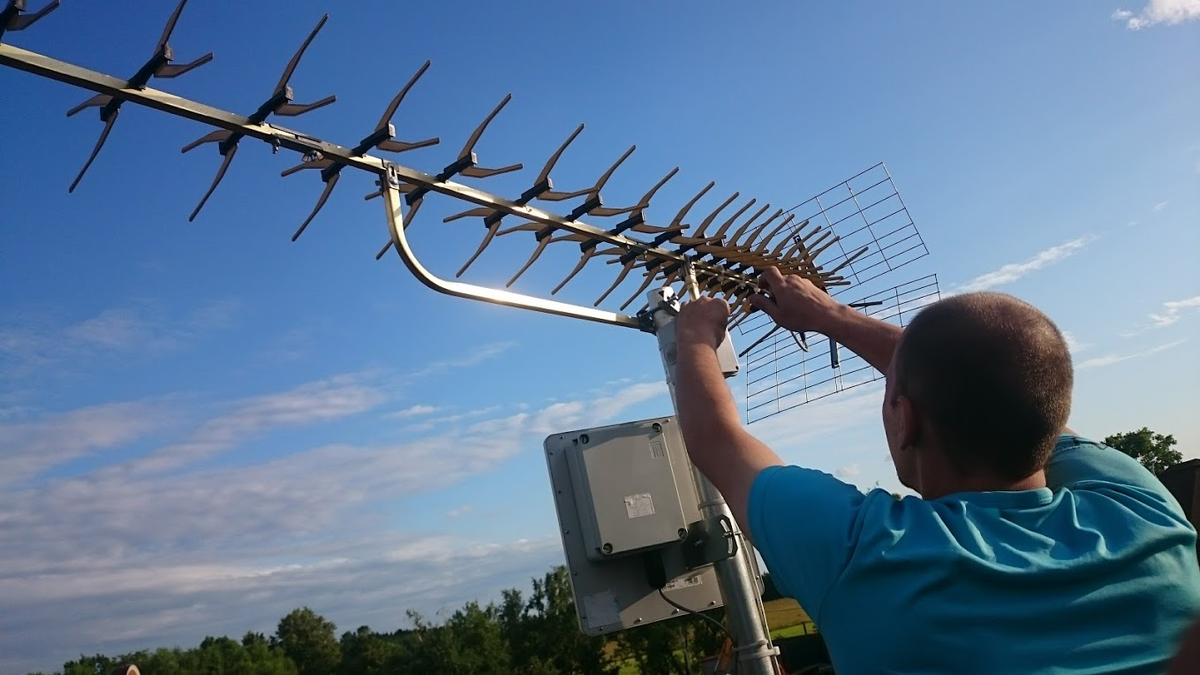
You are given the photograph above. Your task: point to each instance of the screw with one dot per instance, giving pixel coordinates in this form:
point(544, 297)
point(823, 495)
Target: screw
point(712, 603)
point(607, 548)
point(682, 533)
point(638, 620)
point(583, 438)
point(656, 427)
point(566, 532)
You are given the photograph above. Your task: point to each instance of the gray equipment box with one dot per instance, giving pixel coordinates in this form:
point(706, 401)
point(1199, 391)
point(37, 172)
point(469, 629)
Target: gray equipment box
point(599, 477)
point(627, 488)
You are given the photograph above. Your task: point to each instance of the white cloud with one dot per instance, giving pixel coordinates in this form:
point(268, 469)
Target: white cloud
point(1110, 359)
point(446, 420)
point(311, 403)
point(848, 471)
point(114, 559)
point(27, 449)
point(1014, 271)
point(1171, 312)
point(460, 511)
point(474, 357)
point(1170, 12)
point(1161, 205)
point(418, 410)
point(1073, 343)
point(31, 344)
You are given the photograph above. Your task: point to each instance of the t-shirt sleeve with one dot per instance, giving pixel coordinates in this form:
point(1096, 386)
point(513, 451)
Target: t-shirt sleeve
point(1081, 464)
point(1077, 460)
point(805, 523)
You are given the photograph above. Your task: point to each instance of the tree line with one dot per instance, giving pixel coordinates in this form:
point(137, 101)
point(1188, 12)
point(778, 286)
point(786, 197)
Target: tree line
point(536, 634)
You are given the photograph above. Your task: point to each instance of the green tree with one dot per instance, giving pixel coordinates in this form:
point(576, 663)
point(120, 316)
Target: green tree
point(309, 641)
point(1156, 452)
point(552, 631)
point(97, 664)
point(367, 653)
point(470, 642)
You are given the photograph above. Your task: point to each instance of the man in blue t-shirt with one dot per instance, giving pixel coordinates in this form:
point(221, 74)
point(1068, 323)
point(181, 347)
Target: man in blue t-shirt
point(1029, 550)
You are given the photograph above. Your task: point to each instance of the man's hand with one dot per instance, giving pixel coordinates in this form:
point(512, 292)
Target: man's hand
point(796, 303)
point(702, 321)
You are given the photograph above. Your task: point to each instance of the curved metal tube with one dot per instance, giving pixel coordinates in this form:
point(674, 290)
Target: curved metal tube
point(393, 206)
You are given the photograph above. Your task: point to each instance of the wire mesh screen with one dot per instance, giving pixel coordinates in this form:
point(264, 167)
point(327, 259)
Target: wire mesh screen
point(875, 239)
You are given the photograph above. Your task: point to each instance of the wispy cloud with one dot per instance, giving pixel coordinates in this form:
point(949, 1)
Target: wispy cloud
point(311, 403)
point(27, 449)
point(460, 511)
point(116, 559)
point(1014, 271)
point(1073, 343)
point(1169, 12)
point(848, 471)
point(1110, 359)
point(28, 345)
point(418, 410)
point(474, 357)
point(1172, 311)
point(441, 421)
point(1161, 205)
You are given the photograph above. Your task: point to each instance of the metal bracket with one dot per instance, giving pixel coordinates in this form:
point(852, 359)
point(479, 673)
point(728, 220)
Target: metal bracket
point(709, 541)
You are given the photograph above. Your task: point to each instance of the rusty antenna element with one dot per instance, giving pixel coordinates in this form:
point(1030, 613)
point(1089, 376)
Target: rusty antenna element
point(847, 239)
point(158, 65)
point(872, 238)
point(14, 18)
point(382, 138)
point(280, 103)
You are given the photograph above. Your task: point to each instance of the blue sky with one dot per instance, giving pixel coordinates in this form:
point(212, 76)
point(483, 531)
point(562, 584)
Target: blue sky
point(204, 425)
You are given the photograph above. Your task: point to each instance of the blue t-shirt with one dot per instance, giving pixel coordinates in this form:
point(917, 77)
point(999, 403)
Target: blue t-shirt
point(1095, 574)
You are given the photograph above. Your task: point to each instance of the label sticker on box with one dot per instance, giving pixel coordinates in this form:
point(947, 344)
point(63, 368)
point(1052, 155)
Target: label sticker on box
point(684, 582)
point(638, 506)
point(601, 609)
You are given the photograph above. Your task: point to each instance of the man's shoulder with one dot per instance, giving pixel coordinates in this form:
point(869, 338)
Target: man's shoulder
point(1087, 467)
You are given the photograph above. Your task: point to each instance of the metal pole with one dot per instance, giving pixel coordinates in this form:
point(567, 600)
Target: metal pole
point(735, 576)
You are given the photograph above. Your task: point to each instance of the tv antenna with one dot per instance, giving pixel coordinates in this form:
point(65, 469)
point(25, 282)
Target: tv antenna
point(722, 255)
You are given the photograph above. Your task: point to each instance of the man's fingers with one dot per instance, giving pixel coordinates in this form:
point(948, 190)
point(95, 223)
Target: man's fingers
point(764, 303)
point(770, 277)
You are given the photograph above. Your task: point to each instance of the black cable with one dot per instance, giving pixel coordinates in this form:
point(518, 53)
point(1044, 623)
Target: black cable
point(709, 619)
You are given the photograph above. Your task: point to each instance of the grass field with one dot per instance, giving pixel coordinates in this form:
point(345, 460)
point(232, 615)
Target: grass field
point(785, 618)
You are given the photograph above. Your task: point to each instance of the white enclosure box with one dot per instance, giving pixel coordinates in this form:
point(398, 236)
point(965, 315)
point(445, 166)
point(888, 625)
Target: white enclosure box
point(627, 488)
point(630, 486)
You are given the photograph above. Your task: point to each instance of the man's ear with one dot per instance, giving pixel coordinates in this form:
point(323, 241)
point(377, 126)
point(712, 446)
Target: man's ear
point(909, 432)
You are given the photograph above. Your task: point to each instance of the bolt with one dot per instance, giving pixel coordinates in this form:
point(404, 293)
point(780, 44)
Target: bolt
point(566, 532)
point(607, 548)
point(682, 533)
point(638, 620)
point(712, 603)
point(656, 427)
point(583, 438)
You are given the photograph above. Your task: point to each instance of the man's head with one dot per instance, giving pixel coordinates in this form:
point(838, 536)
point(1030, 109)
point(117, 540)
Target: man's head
point(981, 384)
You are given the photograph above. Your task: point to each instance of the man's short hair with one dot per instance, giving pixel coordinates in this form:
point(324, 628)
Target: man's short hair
point(993, 376)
